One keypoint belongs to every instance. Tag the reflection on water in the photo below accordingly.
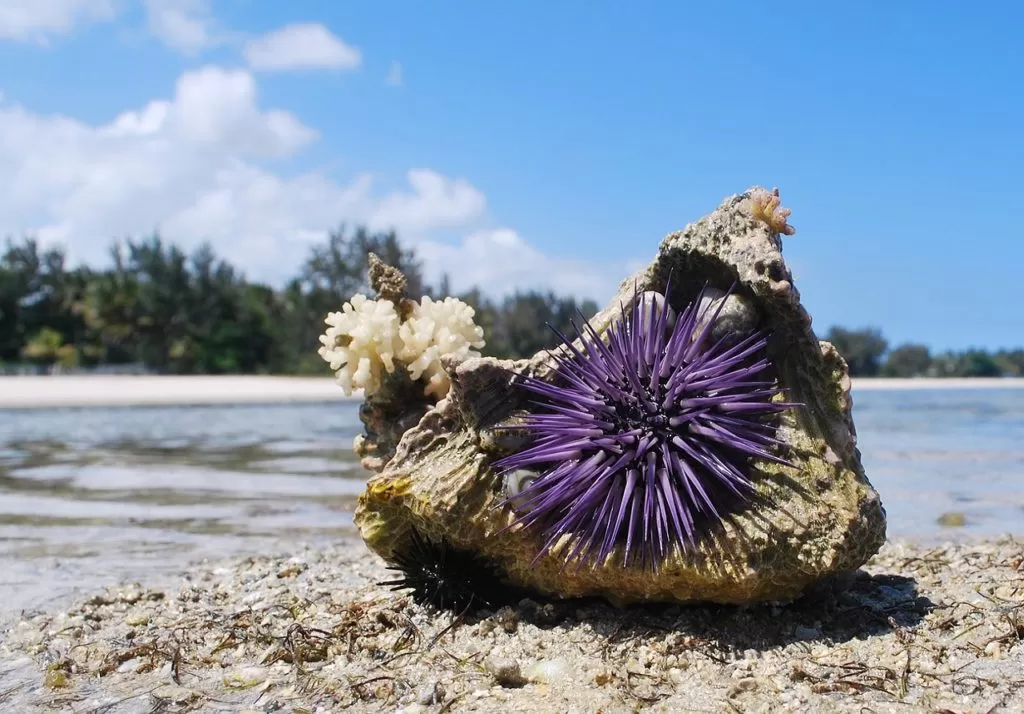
(92, 495)
(88, 496)
(939, 452)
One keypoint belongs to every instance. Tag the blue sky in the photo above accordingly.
(538, 144)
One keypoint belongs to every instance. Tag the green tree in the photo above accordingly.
(910, 360)
(977, 363)
(47, 347)
(1011, 362)
(862, 349)
(36, 292)
(526, 322)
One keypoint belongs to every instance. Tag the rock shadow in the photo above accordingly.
(862, 605)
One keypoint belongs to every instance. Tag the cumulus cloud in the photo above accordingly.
(194, 166)
(435, 202)
(203, 164)
(301, 46)
(38, 20)
(500, 261)
(185, 25)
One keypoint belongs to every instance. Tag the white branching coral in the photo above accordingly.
(434, 329)
(361, 342)
(368, 338)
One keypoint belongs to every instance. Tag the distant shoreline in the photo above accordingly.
(72, 391)
(864, 384)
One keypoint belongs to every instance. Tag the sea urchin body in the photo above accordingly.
(645, 439)
(445, 577)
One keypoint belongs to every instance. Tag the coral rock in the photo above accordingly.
(810, 524)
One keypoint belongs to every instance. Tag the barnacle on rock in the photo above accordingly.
(765, 207)
(389, 282)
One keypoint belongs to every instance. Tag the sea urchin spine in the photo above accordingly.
(446, 578)
(645, 440)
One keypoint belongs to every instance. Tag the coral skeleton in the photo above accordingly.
(644, 441)
(367, 339)
(438, 328)
(361, 342)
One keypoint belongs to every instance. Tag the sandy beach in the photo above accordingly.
(44, 392)
(918, 630)
(879, 384)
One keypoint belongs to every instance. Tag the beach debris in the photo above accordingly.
(506, 672)
(953, 519)
(921, 629)
(731, 477)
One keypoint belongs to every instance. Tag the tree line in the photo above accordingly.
(867, 353)
(159, 308)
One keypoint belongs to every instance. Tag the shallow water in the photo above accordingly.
(89, 496)
(936, 452)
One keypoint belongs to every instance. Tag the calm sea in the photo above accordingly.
(88, 496)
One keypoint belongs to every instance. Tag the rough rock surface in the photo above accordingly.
(809, 526)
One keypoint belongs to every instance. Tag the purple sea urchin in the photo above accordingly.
(645, 440)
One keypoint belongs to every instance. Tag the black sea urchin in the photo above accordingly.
(645, 440)
(446, 577)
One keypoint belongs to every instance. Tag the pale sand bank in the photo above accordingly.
(102, 391)
(123, 391)
(863, 384)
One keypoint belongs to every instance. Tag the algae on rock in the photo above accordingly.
(807, 525)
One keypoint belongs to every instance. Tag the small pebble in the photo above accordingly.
(429, 693)
(548, 671)
(506, 672)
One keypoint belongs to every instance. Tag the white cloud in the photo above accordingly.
(500, 261)
(435, 202)
(185, 25)
(394, 78)
(38, 20)
(198, 165)
(193, 166)
(217, 108)
(301, 46)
